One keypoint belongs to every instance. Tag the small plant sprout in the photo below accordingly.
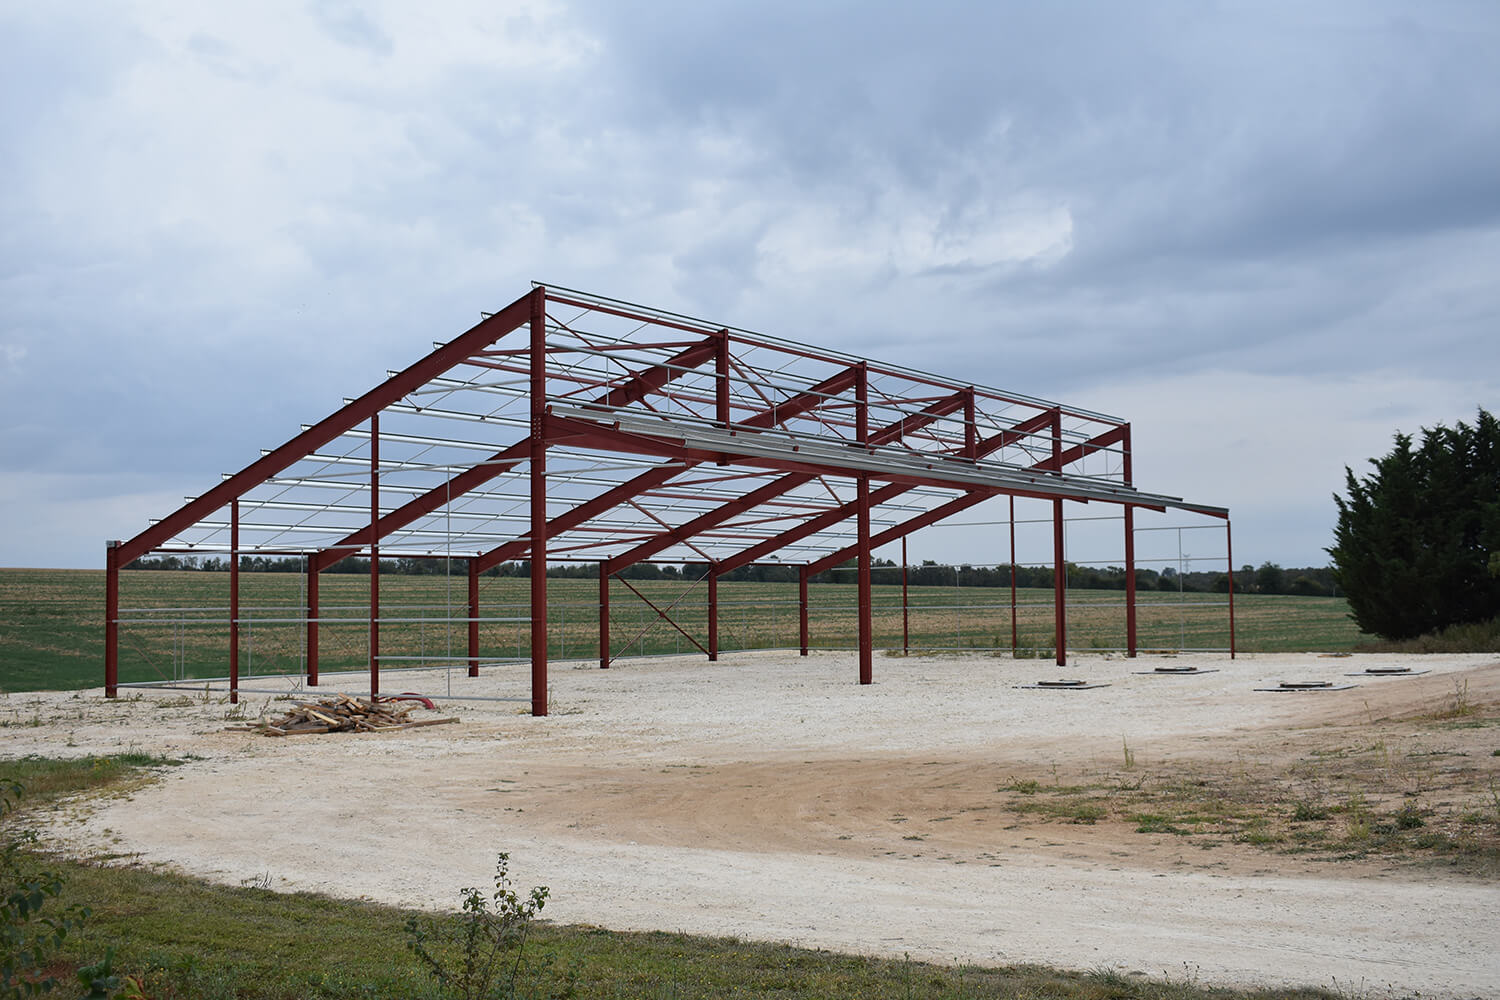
(489, 936)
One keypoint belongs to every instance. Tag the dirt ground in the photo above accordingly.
(1181, 825)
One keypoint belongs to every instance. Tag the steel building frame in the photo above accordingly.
(572, 427)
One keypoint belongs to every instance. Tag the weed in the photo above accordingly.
(1085, 813)
(490, 936)
(1129, 756)
(1257, 833)
(1155, 823)
(1458, 705)
(1307, 811)
(1409, 817)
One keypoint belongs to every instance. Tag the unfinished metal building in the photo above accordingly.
(567, 427)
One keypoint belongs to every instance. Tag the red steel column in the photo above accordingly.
(603, 617)
(1130, 628)
(313, 603)
(721, 383)
(1059, 584)
(374, 555)
(1130, 624)
(802, 606)
(1060, 566)
(538, 502)
(1229, 555)
(234, 602)
(713, 615)
(111, 619)
(473, 618)
(866, 627)
(905, 608)
(1015, 634)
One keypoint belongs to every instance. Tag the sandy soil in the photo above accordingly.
(770, 797)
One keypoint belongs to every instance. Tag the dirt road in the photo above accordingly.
(943, 812)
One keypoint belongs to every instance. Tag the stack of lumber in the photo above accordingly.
(342, 714)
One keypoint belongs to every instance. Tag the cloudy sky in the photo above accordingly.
(1266, 233)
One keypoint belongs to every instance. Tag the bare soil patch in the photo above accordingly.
(1185, 825)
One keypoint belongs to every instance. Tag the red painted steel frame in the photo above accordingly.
(112, 619)
(374, 555)
(1130, 616)
(538, 505)
(785, 428)
(313, 610)
(473, 620)
(1229, 557)
(234, 602)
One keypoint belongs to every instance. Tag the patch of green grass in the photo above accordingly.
(1156, 823)
(185, 939)
(51, 621)
(48, 778)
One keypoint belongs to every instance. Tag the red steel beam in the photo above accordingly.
(470, 479)
(390, 391)
(1063, 458)
(882, 494)
(645, 383)
(506, 459)
(884, 435)
(647, 481)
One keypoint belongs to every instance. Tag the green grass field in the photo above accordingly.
(175, 624)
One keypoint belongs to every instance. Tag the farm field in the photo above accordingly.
(51, 631)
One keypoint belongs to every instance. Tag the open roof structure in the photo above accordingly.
(571, 427)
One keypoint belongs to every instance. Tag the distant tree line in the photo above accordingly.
(1269, 578)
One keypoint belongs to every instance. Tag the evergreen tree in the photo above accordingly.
(1414, 539)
